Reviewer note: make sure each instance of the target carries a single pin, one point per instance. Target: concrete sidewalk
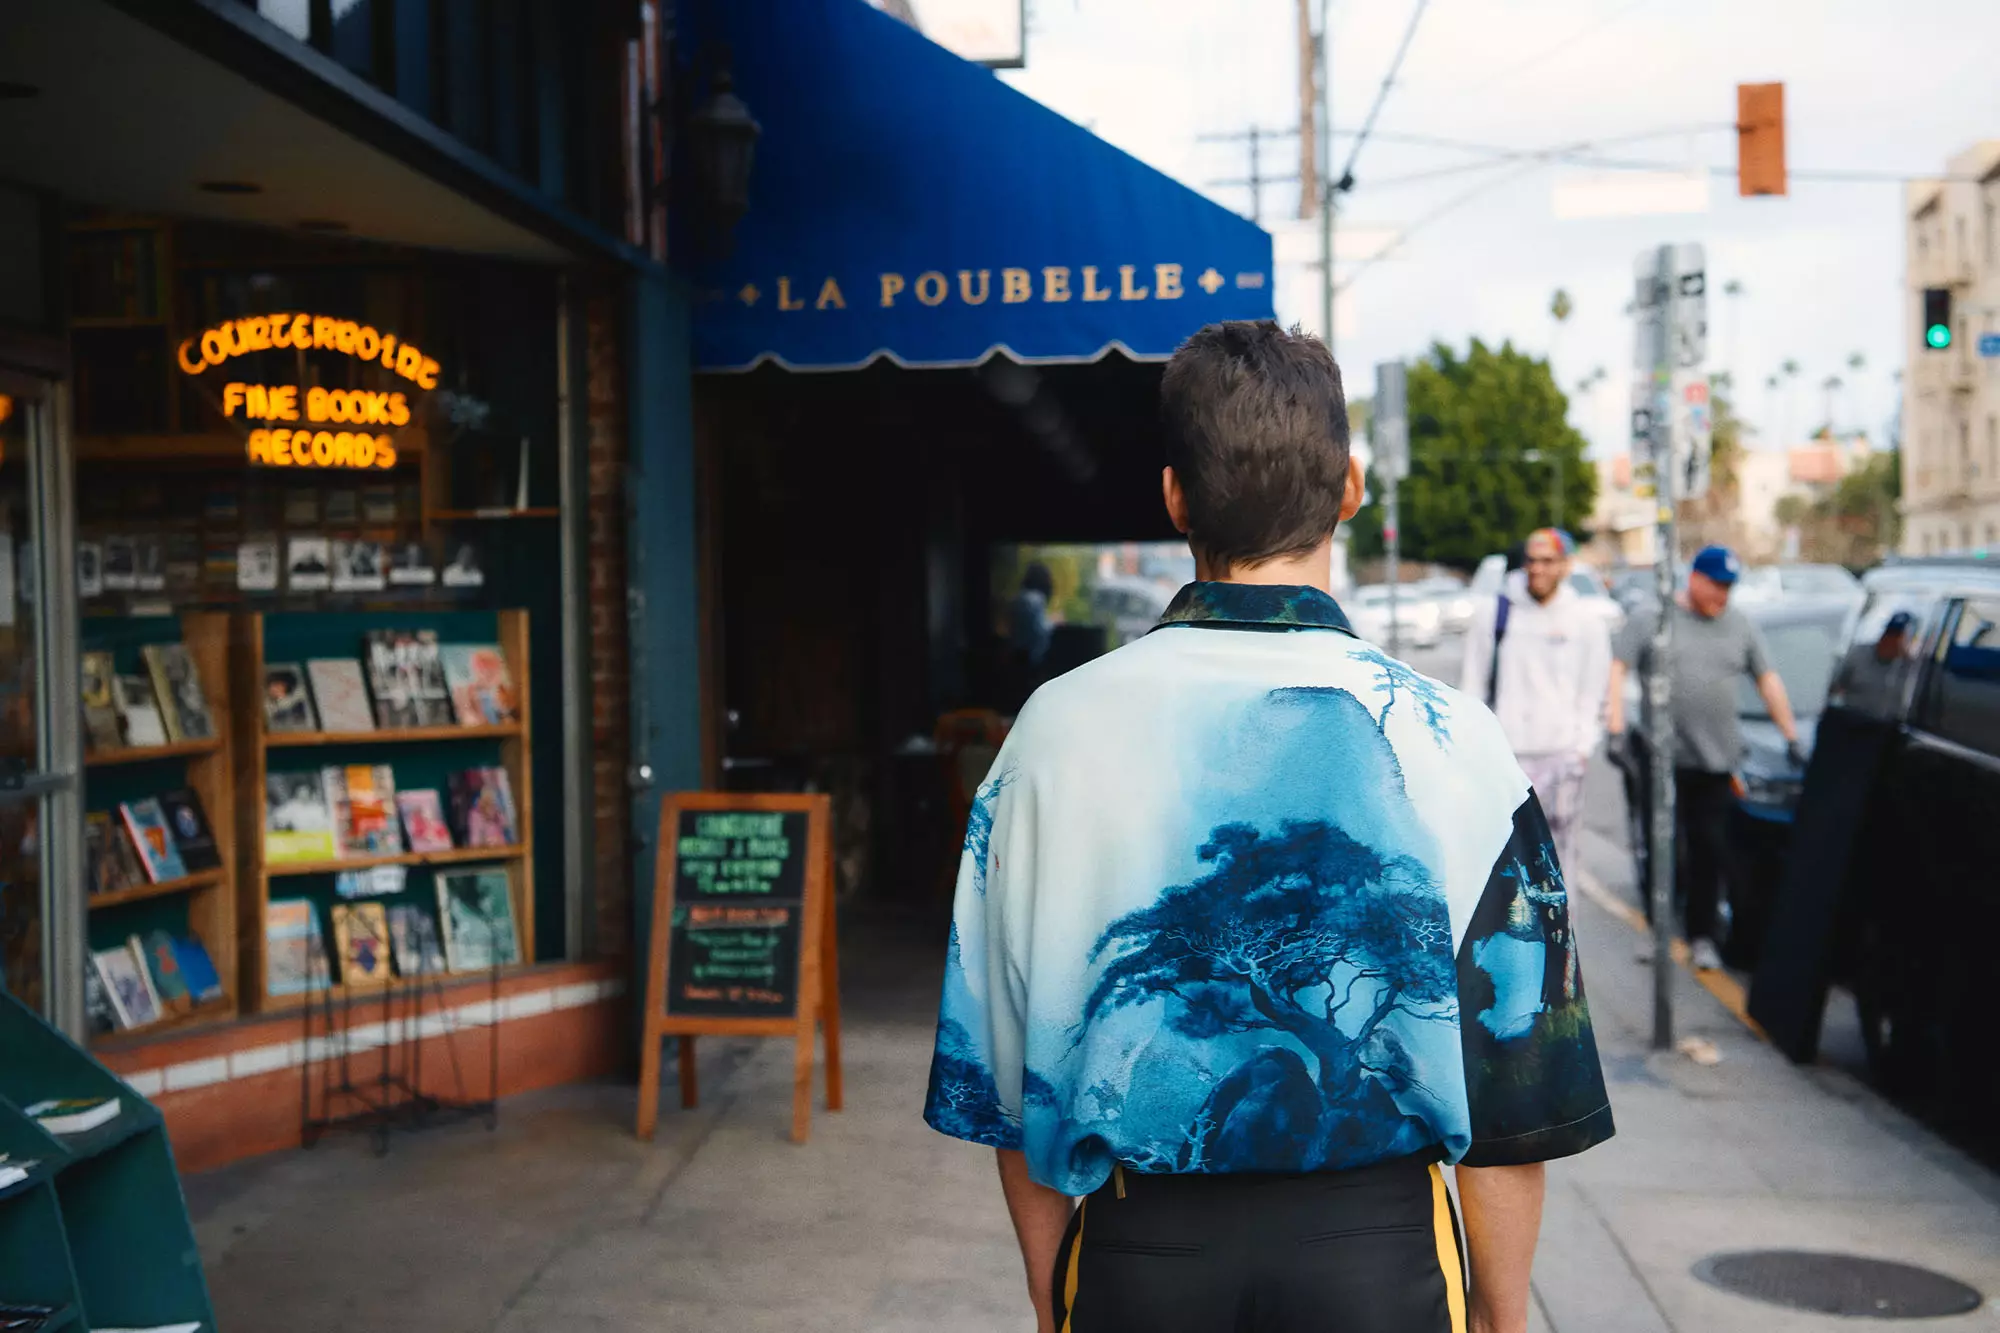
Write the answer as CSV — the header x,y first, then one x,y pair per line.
x,y
561,1219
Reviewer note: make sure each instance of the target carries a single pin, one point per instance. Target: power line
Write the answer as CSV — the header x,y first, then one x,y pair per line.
x,y
1345,181
1555,49
1456,201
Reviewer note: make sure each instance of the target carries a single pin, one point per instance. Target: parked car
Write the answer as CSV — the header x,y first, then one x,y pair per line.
x,y
1918,911
1491,576
1799,582
1454,601
1418,621
1128,607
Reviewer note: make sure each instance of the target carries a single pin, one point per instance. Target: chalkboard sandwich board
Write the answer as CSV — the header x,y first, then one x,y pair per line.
x,y
743,938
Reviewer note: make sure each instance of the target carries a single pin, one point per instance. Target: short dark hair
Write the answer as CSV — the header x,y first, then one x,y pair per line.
x,y
1256,430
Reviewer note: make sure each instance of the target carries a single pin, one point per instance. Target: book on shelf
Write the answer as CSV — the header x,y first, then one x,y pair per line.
x,y
183,703
156,953
146,822
89,569
378,504
407,679
298,824
121,563
410,566
363,798
476,908
189,824
294,952
111,863
413,937
139,711
308,564
343,506
340,693
98,1015
361,937
100,703
482,807
371,882
423,820
257,564
128,987
288,704
482,689
203,982
73,1115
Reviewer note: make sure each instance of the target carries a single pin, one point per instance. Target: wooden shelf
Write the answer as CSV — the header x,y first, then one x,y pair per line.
x,y
485,731
340,990
139,754
466,515
223,1007
166,888
457,855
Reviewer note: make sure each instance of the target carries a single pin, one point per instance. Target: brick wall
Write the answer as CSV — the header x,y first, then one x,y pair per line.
x,y
610,723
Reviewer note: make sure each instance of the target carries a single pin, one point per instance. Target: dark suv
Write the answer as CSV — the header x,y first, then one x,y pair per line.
x,y
1901,892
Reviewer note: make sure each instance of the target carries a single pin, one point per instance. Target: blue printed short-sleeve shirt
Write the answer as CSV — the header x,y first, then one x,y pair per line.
x,y
1250,895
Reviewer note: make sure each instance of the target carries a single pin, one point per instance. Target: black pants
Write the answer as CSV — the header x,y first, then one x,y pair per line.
x,y
1701,838
1367,1251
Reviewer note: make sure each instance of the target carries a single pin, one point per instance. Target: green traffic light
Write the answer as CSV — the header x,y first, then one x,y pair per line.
x,y
1938,336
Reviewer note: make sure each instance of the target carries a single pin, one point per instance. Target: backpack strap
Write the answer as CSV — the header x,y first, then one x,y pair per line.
x,y
1499,637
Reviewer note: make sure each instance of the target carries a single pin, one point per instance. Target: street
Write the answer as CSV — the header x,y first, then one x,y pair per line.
x,y
878,1225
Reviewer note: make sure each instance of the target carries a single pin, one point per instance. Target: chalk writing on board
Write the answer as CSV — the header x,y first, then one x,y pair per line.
x,y
726,854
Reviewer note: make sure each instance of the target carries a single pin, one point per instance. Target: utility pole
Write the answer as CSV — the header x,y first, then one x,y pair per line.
x,y
1256,180
1308,104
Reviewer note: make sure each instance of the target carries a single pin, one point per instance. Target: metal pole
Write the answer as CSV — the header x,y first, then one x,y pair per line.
x,y
1659,691
1392,538
1329,193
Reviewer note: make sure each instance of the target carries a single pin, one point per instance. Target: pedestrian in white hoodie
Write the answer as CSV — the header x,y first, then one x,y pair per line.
x,y
1548,689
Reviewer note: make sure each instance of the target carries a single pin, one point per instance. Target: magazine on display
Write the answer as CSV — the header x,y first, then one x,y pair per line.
x,y
378,504
423,820
146,822
482,807
374,882
308,564
257,565
198,970
361,940
121,564
140,712
476,908
410,566
340,694
111,863
465,569
413,937
189,824
294,951
343,506
162,962
357,566
363,798
89,569
127,986
482,689
100,703
407,679
298,825
288,704
183,703
150,563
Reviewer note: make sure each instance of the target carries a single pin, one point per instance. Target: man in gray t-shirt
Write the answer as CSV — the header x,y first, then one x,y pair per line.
x,y
1714,646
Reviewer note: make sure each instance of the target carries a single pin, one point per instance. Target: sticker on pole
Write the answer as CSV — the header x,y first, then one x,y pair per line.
x,y
1693,434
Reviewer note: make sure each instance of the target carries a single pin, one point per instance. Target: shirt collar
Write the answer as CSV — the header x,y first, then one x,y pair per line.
x,y
1255,606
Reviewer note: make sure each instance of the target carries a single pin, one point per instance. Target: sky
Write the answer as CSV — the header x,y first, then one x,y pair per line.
x,y
1896,89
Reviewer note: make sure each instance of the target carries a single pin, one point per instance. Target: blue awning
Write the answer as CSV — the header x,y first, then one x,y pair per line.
x,y
908,204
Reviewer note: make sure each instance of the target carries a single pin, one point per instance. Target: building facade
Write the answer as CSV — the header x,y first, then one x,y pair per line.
x,y
1951,397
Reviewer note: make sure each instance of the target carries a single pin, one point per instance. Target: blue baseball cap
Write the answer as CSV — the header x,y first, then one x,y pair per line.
x,y
1718,563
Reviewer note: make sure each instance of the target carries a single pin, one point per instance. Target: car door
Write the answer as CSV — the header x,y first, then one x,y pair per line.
x,y
1934,857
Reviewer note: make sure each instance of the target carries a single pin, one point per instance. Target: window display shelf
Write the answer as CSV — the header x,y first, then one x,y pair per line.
x,y
387,735
166,888
456,856
139,754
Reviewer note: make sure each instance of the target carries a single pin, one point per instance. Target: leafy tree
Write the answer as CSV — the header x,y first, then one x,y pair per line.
x,y
1714,517
1859,522
1472,490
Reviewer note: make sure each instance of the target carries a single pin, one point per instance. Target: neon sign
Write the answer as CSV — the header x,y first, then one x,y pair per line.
x,y
258,333
284,446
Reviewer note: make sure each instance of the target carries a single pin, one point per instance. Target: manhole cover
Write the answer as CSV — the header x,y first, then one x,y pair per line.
x,y
1838,1284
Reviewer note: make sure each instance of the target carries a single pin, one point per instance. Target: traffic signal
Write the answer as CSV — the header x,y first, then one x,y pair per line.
x,y
1760,138
1937,318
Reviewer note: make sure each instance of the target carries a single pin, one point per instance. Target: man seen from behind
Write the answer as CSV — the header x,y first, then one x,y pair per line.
x,y
1256,928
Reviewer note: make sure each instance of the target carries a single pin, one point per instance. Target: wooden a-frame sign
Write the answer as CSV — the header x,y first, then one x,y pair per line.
x,y
743,938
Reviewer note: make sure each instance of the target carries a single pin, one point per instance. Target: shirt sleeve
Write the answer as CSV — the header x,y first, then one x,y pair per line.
x,y
976,1068
1533,1084
1756,653
1596,681
1476,659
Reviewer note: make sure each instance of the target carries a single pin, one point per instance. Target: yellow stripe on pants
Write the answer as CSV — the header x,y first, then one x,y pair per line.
x,y
1447,1246
1076,1262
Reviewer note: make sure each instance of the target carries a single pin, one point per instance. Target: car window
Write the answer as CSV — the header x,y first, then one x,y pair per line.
x,y
1867,681
1585,584
1964,699
1804,656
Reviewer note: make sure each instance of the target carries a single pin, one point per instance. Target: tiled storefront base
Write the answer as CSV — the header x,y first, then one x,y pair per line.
x,y
234,1091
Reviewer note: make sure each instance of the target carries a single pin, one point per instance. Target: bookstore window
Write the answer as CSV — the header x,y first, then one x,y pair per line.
x,y
319,574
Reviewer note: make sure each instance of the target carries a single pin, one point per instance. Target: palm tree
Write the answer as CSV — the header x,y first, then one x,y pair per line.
x,y
1732,292
1790,370
1560,309
1832,385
